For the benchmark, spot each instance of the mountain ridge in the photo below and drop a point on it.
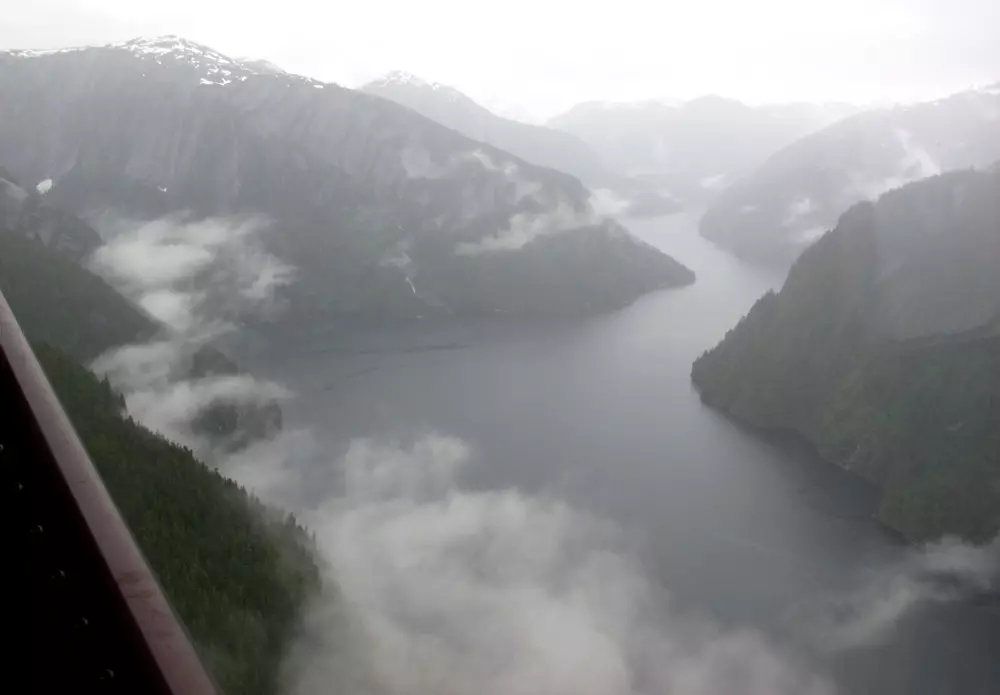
(363, 196)
(797, 194)
(454, 109)
(694, 148)
(883, 351)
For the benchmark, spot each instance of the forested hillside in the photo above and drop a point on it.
(926, 422)
(883, 350)
(59, 302)
(236, 572)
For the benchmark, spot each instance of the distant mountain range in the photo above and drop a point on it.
(797, 195)
(883, 350)
(685, 152)
(616, 193)
(693, 149)
(537, 144)
(381, 210)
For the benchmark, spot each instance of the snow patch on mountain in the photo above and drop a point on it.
(405, 78)
(262, 66)
(38, 52)
(399, 77)
(210, 66)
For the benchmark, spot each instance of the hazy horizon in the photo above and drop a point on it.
(535, 60)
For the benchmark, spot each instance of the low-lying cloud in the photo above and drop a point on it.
(196, 278)
(185, 273)
(915, 162)
(418, 163)
(435, 589)
(606, 203)
(525, 227)
(942, 572)
(808, 220)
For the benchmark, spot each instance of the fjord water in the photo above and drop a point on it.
(601, 412)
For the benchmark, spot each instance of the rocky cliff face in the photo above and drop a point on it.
(363, 196)
(882, 350)
(798, 194)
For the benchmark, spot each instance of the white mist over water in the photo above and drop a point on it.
(945, 571)
(443, 589)
(433, 586)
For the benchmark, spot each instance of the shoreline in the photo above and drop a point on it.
(793, 441)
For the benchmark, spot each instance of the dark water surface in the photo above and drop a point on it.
(601, 412)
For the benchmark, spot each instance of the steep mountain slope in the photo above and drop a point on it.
(363, 196)
(798, 193)
(237, 573)
(58, 301)
(55, 299)
(25, 212)
(536, 144)
(693, 149)
(883, 350)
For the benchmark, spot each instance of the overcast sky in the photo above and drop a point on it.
(541, 56)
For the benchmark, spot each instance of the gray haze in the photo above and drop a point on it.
(433, 587)
(941, 572)
(434, 584)
(430, 587)
(549, 509)
(538, 58)
(447, 591)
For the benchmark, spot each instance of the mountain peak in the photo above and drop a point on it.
(174, 47)
(401, 78)
(992, 89)
(262, 66)
(209, 67)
